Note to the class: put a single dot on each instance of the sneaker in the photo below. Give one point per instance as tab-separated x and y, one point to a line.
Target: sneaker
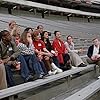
41	76
82	65
29	78
98	77
73	67
50	73
55	72
59	70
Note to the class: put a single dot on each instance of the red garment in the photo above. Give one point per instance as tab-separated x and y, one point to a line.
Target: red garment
60	47
39	45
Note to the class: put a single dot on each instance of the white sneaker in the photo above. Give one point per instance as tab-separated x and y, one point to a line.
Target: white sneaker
73	67
59	70
55	72
98	77
50	73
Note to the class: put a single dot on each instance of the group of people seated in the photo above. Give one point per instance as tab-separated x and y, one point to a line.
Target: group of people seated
31	53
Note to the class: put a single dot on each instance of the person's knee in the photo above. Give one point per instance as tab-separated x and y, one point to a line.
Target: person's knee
20	57
2	67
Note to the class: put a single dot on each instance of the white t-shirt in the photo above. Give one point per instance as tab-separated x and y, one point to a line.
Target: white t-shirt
95	50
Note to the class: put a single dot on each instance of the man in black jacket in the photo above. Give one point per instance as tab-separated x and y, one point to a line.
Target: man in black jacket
94	52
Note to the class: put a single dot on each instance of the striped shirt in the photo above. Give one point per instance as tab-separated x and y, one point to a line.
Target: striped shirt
26	50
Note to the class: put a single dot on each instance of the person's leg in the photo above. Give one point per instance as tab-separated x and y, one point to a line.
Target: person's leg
43	67
9	75
90	61
3	81
67	61
47	65
56	62
75	59
25	73
36	65
98	63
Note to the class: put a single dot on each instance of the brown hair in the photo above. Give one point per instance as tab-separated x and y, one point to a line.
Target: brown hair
12	21
35	34
69	36
24	38
94	38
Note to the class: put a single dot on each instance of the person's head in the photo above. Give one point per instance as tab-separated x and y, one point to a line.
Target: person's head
96	41
40	28
45	35
35	35
69	39
57	34
25	36
29	29
5	36
12	24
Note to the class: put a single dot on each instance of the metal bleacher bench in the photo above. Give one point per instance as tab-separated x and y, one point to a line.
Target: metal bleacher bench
49	7
86	92
9	92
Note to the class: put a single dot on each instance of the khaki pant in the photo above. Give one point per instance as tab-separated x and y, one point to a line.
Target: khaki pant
3	83
93	62
75	59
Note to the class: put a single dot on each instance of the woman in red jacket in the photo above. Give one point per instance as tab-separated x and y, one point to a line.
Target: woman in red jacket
63	56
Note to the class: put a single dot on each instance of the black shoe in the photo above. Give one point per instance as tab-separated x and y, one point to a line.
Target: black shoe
41	76
82	65
15	96
29	78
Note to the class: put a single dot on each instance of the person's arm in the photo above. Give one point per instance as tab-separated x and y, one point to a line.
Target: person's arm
47	53
15	50
90	52
68	48
24	49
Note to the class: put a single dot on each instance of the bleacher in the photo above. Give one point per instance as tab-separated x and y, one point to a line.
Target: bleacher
66	85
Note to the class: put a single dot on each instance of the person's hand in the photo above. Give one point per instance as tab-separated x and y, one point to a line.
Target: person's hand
1	61
80	50
66	51
30	40
97	57
6	60
94	58
46	57
16	64
50	54
40	57
15	28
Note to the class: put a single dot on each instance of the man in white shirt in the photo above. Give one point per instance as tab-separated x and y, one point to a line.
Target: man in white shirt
94	52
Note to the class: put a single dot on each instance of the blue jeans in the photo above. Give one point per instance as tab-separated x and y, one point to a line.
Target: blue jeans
25	73
43	67
35	63
56	62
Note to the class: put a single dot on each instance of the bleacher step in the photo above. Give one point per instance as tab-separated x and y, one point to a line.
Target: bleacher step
61	86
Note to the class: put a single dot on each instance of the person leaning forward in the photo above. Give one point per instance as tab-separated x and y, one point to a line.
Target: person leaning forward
11	58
